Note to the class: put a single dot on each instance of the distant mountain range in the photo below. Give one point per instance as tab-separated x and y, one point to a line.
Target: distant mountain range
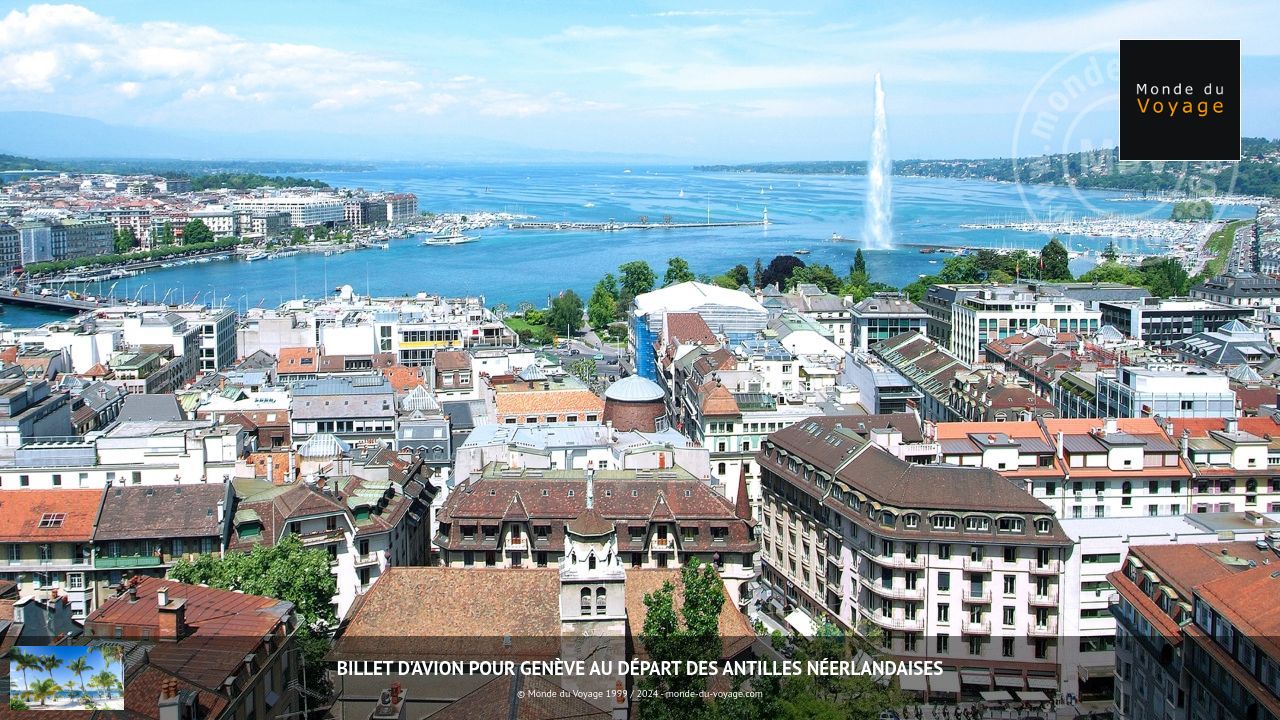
52	136
1258	170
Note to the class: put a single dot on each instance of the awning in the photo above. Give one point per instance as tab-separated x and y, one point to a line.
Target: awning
1014	681
975	677
996	696
915	683
801	623
947	682
1032	696
1044	683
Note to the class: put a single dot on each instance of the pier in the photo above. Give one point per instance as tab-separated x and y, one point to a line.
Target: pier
612	226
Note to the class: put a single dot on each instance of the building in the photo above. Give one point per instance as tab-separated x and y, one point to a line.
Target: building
882	316
65	239
401	207
880	388
209	654
1164	321
143	530
531	397
635	403
929	368
1260	293
1235	463
1195	629
366	523
724	311
10	248
1164	390
47	537
828	310
264	223
133	216
30	410
304	210
953	563
222	222
451	374
517	517
1229	346
996	312
352	408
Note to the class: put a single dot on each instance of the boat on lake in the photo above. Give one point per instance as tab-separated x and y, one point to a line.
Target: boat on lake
453	237
255	255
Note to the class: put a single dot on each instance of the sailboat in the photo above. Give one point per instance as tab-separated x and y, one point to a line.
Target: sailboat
681	192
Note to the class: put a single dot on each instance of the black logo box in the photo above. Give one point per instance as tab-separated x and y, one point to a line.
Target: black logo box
1186	65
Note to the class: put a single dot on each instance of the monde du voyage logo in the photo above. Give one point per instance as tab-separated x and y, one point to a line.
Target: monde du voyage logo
1180	100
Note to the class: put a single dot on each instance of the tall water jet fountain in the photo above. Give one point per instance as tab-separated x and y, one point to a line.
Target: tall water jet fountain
877	234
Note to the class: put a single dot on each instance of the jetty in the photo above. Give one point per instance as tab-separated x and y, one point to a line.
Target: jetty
614	226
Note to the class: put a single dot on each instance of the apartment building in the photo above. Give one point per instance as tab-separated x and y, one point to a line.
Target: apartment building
996	312
1195	629
930	368
304	210
30	410
1255	291
47	537
401	207
953	563
813	303
1139	391
1235	463
10	248
882	316
352	408
209	654
1163	321
517	517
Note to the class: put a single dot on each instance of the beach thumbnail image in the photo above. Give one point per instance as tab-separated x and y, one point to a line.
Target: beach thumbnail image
66	678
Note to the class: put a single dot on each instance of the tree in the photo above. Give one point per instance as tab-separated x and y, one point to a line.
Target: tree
1165	277
125	241
821	275
565	313
637	278
835	695
166	235
79	666
106	680
320	232
49	663
1110	254
859	262
24	661
42	690
16	703
739	274
584	368
757	274
779	271
288	571
501	310
1112	272
602	308
297	236
112	654
1054	261
677	272
664	638
195	232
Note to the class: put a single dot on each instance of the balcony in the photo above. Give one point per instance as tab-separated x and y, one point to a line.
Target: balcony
972	565
1052	567
663	544
50	564
367	559
893	561
517	543
896	593
1048	628
982	627
323	537
977	596
897	623
1043	600
128	561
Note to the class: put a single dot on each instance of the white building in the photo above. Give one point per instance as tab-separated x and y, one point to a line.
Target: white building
304	210
1164	390
997	312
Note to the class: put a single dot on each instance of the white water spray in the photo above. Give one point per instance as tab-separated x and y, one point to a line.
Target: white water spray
878	231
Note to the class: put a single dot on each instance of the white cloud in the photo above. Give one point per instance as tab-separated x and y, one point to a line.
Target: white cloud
129	89
29	71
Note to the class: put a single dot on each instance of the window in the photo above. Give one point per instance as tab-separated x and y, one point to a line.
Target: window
944	581
1006	646
24	481
57	479
601	602
1010	554
1010	584
975	523
585	603
944	551
941	644
1011	525
1008	615
51	520
944	613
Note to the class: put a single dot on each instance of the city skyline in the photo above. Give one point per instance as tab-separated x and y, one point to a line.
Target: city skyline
711	82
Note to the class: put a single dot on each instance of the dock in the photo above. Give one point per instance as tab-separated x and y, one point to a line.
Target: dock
613	226
51	302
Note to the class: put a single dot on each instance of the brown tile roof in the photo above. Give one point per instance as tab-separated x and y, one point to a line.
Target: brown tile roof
144	693
1183	566
67	515
279	466
549	402
456	613
589	523
98	371
687	328
160	512
452	360
1248	600
717	400
402	378
1200	427
297	360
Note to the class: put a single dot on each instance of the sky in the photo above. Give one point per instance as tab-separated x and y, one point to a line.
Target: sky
682	80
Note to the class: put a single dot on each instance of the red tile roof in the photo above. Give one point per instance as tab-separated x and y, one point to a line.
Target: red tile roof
1200	427
297	360
402	378
685	328
452	360
60	515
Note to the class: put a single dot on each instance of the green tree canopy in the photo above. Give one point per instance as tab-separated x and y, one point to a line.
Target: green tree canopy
637	278
779	271
125	240
677	272
196	232
666	638
565	313
739	275
821	275
1054	261
859	262
602	308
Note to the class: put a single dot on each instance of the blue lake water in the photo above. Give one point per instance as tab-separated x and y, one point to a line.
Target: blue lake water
514	265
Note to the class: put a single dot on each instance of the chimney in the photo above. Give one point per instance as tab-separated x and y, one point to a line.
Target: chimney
1232	424
1185	443
391	704
162	595
222	510
1059	445
133	594
173	620
170	704
591	485
1110	426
